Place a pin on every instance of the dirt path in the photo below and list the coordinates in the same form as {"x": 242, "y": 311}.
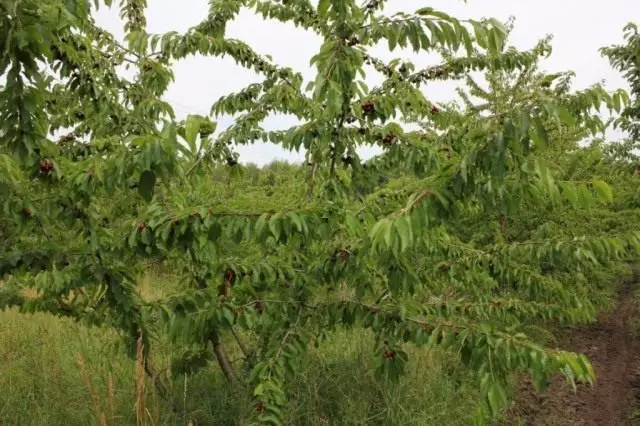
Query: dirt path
{"x": 615, "y": 355}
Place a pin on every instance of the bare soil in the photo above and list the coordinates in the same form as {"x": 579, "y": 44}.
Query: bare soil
{"x": 614, "y": 352}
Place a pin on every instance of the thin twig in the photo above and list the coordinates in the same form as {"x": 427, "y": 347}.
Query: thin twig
{"x": 284, "y": 340}
{"x": 380, "y": 298}
{"x": 160, "y": 387}
{"x": 140, "y": 405}
{"x": 241, "y": 344}
{"x": 314, "y": 169}
{"x": 334, "y": 158}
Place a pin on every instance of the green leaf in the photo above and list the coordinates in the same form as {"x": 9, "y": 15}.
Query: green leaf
{"x": 565, "y": 116}
{"x": 425, "y": 11}
{"x": 146, "y": 185}
{"x": 603, "y": 190}
{"x": 466, "y": 38}
{"x": 323, "y": 7}
{"x": 392, "y": 37}
{"x": 215, "y": 231}
{"x": 499, "y": 26}
{"x": 261, "y": 224}
{"x": 191, "y": 129}
{"x": 352, "y": 225}
{"x": 403, "y": 228}
{"x": 497, "y": 398}
{"x": 295, "y": 218}
{"x": 480, "y": 34}
{"x": 586, "y": 197}
{"x": 494, "y": 43}
{"x": 146, "y": 236}
{"x": 381, "y": 232}
{"x": 133, "y": 237}
{"x": 375, "y": 230}
{"x": 570, "y": 193}
{"x": 228, "y": 315}
{"x": 539, "y": 133}
{"x": 275, "y": 226}
{"x": 463, "y": 169}
{"x": 388, "y": 233}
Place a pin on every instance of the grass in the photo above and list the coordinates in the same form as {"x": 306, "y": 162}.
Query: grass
{"x": 56, "y": 372}
{"x": 52, "y": 371}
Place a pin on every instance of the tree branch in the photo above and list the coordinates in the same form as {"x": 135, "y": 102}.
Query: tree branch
{"x": 160, "y": 387}
{"x": 314, "y": 169}
{"x": 223, "y": 360}
{"x": 241, "y": 345}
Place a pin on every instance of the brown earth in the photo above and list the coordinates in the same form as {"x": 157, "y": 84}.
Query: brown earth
{"x": 614, "y": 352}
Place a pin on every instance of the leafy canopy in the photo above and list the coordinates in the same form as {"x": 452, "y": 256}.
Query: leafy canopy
{"x": 458, "y": 236}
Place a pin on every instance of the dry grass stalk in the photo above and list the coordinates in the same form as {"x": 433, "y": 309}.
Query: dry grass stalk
{"x": 95, "y": 399}
{"x": 140, "y": 408}
{"x": 111, "y": 390}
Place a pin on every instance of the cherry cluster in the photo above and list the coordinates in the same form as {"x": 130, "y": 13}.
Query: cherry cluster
{"x": 46, "y": 166}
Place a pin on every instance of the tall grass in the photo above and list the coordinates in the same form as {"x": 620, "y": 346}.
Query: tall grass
{"x": 55, "y": 372}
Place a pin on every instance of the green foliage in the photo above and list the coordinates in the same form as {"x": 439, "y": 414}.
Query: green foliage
{"x": 625, "y": 58}
{"x": 335, "y": 384}
{"x": 460, "y": 237}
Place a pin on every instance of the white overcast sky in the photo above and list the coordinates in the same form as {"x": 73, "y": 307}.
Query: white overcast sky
{"x": 579, "y": 28}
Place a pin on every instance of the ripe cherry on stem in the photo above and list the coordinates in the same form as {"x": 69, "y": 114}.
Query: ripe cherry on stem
{"x": 389, "y": 138}
{"x": 368, "y": 107}
{"x": 46, "y": 166}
